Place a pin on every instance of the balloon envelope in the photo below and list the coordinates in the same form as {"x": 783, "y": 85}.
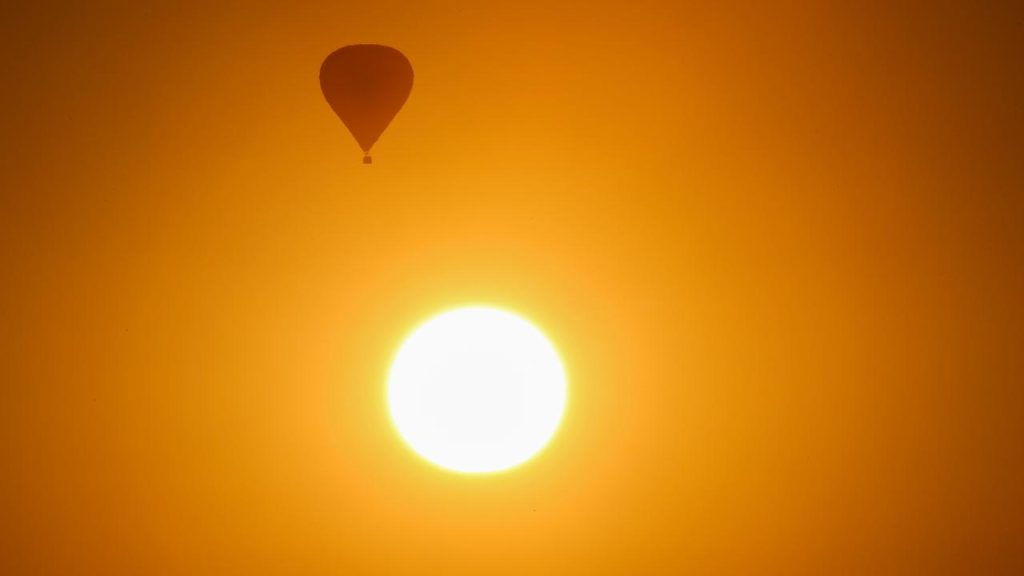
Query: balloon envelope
{"x": 366, "y": 85}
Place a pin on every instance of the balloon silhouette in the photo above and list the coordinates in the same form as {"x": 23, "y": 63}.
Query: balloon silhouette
{"x": 366, "y": 85}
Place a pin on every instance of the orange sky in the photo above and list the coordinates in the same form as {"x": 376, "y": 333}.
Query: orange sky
{"x": 779, "y": 247}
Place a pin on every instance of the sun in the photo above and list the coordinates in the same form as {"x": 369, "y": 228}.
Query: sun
{"x": 476, "y": 389}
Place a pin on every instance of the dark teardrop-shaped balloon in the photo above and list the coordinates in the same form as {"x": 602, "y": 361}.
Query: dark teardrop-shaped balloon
{"x": 366, "y": 85}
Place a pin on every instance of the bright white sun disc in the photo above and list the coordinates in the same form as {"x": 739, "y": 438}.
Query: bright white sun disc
{"x": 476, "y": 390}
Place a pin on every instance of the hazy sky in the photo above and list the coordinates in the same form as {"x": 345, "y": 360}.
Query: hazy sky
{"x": 781, "y": 249}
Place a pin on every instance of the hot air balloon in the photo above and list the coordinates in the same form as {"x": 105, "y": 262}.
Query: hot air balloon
{"x": 366, "y": 85}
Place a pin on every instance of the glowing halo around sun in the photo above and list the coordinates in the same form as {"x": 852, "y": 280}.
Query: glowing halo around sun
{"x": 476, "y": 390}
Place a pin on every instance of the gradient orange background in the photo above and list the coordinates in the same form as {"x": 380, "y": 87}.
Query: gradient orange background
{"x": 779, "y": 247}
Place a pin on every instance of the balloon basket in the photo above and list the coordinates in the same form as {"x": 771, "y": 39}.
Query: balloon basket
{"x": 367, "y": 159}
